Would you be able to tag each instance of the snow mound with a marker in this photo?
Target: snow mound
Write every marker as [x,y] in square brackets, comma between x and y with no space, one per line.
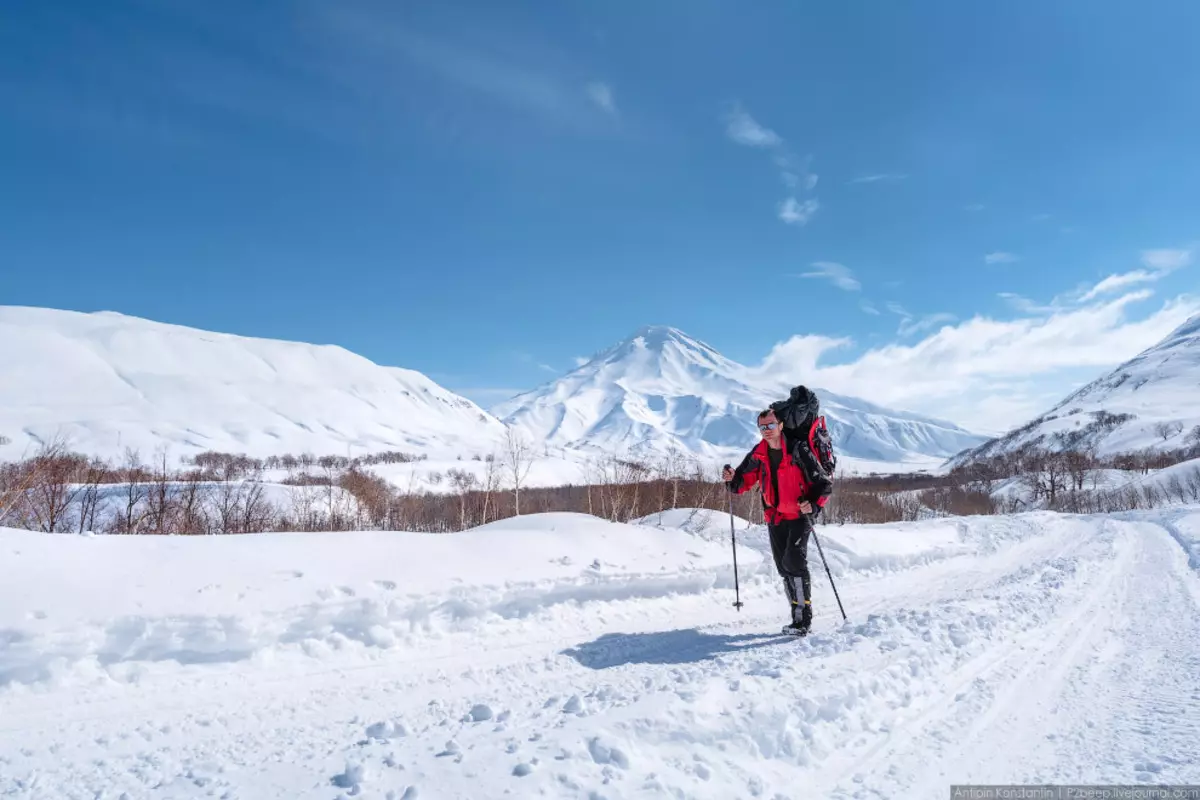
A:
[213,600]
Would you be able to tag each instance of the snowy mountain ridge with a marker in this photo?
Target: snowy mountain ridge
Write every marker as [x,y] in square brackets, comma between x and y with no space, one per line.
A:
[109,381]
[1149,401]
[661,388]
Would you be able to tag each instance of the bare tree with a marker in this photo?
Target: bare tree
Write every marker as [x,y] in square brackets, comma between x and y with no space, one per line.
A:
[463,482]
[1168,429]
[89,493]
[192,500]
[53,491]
[160,504]
[1193,437]
[133,493]
[257,514]
[518,459]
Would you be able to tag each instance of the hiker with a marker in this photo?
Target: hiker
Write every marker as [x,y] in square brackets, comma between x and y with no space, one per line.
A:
[791,495]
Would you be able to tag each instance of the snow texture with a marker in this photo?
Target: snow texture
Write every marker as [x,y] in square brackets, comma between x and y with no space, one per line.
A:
[662,388]
[142,384]
[562,656]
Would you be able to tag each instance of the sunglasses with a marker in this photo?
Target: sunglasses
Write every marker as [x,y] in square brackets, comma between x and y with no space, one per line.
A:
[770,426]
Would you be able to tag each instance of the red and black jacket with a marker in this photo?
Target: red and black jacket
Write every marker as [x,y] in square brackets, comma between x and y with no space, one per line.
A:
[794,485]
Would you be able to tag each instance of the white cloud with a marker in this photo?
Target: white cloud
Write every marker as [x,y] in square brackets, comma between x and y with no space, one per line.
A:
[1027,306]
[602,95]
[744,129]
[869,308]
[1161,263]
[581,360]
[986,374]
[896,308]
[1114,282]
[1001,258]
[1166,260]
[909,325]
[794,212]
[882,176]
[837,274]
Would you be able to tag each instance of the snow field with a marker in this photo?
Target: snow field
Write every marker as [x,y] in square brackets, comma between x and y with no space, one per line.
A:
[1041,647]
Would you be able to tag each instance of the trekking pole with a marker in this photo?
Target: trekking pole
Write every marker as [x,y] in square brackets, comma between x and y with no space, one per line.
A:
[733,541]
[827,572]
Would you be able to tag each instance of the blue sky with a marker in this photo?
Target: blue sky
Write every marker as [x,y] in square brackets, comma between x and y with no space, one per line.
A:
[913,202]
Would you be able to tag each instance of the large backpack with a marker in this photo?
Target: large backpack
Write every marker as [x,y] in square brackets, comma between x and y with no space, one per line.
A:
[804,428]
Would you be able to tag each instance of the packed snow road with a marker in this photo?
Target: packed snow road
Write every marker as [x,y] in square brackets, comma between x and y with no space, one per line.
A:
[604,661]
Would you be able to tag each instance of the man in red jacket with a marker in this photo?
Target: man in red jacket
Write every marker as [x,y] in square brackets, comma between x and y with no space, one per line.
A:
[788,498]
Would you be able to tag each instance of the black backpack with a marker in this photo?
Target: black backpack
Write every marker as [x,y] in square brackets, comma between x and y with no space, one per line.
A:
[810,443]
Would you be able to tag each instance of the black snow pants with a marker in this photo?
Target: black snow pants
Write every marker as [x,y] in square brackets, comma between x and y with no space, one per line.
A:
[789,546]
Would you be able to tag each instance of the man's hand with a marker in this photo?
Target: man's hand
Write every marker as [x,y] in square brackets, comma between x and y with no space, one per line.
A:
[806,507]
[727,474]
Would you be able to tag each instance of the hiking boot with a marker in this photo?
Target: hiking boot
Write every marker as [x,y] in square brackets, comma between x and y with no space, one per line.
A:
[795,629]
[806,616]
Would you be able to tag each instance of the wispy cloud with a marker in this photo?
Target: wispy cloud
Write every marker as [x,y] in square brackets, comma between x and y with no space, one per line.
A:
[1027,306]
[580,360]
[602,95]
[744,129]
[876,178]
[794,212]
[1001,258]
[869,308]
[911,325]
[838,274]
[795,173]
[506,69]
[986,373]
[1160,263]
[1116,282]
[1166,260]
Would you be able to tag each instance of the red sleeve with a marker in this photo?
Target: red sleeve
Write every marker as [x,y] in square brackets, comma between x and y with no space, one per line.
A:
[749,478]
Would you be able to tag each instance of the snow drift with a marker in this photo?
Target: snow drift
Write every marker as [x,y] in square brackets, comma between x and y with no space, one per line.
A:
[563,656]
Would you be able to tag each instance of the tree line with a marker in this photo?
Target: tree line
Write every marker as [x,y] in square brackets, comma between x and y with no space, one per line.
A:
[59,490]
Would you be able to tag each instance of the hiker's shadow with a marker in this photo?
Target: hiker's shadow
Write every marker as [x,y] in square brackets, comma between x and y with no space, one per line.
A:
[664,647]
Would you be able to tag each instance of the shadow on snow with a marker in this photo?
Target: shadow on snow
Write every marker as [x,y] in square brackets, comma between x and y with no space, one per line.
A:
[665,647]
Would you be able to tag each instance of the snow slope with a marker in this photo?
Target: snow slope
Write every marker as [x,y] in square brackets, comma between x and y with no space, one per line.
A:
[110,381]
[661,388]
[561,656]
[1160,385]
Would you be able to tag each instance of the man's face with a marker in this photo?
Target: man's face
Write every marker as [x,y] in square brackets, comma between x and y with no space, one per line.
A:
[771,429]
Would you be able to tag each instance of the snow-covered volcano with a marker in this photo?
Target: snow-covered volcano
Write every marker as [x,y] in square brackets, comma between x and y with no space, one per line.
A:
[109,381]
[1151,401]
[661,387]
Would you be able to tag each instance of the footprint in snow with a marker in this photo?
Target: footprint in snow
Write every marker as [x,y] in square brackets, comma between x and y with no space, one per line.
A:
[389,586]
[479,713]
